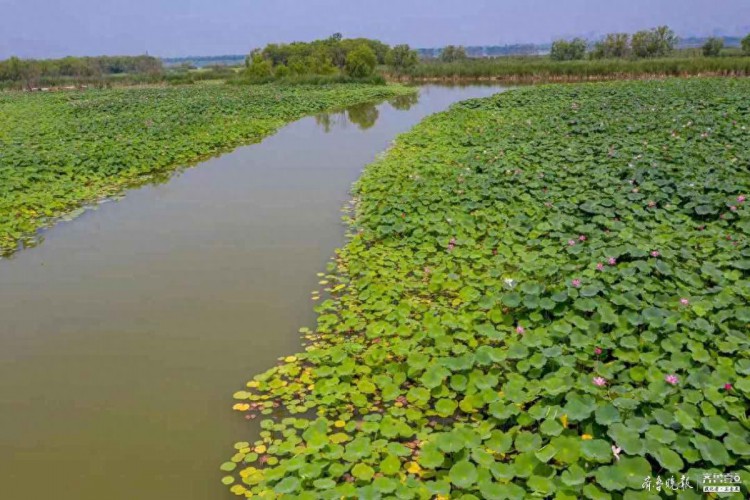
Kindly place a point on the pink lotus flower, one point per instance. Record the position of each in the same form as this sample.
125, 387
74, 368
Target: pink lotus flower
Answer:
733, 208
576, 283
571, 242
581, 238
655, 253
616, 451
520, 329
600, 266
599, 382
684, 301
597, 350
612, 261
671, 379
741, 198
727, 387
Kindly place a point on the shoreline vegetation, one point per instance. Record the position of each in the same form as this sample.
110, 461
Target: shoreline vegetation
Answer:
652, 53
544, 293
538, 70
63, 151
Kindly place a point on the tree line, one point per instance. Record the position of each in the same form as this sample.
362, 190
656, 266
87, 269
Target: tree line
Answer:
656, 42
335, 55
30, 72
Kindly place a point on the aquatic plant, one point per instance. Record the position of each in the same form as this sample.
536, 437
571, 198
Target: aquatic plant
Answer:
61, 150
493, 375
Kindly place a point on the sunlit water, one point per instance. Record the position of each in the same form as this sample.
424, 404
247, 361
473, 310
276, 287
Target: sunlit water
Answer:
124, 334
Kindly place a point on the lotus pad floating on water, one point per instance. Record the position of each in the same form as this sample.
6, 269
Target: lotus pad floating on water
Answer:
545, 293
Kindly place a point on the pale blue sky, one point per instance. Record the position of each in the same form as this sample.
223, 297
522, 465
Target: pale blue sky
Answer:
54, 28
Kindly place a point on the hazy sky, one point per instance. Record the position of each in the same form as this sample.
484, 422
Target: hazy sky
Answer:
54, 28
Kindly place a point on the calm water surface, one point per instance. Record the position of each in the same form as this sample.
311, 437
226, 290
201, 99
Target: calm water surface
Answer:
123, 336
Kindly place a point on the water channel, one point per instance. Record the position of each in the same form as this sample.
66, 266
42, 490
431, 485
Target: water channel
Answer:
124, 334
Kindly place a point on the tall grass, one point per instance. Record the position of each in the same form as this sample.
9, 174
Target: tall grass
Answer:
543, 68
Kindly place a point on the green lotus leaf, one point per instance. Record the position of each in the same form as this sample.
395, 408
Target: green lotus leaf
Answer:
511, 299
737, 445
228, 466
527, 441
363, 472
573, 475
524, 464
579, 407
715, 425
606, 415
660, 434
668, 459
541, 485
324, 483
712, 451
596, 450
446, 407
611, 478
289, 484
430, 456
551, 427
568, 449
592, 492
463, 474
450, 442
635, 469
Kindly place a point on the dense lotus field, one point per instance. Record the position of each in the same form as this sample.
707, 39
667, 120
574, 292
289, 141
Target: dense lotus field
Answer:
545, 294
60, 150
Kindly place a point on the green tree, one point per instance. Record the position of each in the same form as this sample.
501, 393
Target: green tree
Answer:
656, 42
563, 50
614, 45
338, 50
259, 67
452, 53
320, 62
746, 45
276, 53
361, 62
281, 71
12, 69
713, 46
402, 58
297, 65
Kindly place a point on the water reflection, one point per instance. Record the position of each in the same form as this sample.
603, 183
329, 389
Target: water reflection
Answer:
404, 102
364, 116
327, 121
